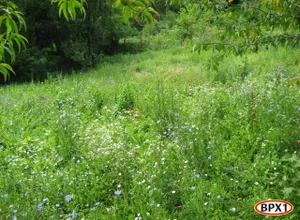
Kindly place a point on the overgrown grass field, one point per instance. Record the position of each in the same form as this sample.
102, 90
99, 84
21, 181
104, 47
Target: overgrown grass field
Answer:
165, 134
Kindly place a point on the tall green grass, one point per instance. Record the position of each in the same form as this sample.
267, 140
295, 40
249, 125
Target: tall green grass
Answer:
160, 135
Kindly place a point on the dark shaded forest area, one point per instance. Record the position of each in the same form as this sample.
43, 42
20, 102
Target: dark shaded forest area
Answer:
55, 44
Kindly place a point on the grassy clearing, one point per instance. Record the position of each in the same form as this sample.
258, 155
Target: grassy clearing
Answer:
159, 135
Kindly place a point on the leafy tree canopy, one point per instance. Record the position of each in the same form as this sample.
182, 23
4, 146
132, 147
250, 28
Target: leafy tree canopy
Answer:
247, 24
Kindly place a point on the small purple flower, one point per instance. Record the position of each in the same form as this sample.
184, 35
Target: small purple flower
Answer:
68, 198
73, 214
118, 192
40, 206
4, 195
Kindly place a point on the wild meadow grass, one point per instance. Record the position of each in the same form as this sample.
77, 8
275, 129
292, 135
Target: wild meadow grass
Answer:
164, 134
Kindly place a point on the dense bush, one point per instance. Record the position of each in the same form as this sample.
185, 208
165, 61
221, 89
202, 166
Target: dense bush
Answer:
35, 64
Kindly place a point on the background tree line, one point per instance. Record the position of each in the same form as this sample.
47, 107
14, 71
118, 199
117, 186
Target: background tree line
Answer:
54, 43
53, 40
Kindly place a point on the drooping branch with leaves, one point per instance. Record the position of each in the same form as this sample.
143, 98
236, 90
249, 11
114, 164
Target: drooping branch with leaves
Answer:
11, 22
68, 8
139, 10
248, 24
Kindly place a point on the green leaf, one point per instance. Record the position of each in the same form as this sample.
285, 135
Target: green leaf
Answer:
137, 4
117, 3
148, 17
65, 13
126, 14
150, 9
5, 69
10, 50
8, 26
71, 10
196, 47
2, 18
2, 51
13, 22
67, 8
14, 26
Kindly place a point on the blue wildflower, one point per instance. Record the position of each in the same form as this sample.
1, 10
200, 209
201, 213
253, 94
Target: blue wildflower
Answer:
73, 214
68, 198
40, 206
118, 192
4, 195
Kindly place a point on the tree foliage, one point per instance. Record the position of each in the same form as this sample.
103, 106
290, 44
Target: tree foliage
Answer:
231, 25
12, 22
139, 10
68, 8
248, 24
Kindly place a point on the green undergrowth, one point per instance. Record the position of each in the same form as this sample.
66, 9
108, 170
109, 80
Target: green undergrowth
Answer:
168, 134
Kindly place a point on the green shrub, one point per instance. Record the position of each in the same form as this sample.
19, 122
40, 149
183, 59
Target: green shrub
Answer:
34, 64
